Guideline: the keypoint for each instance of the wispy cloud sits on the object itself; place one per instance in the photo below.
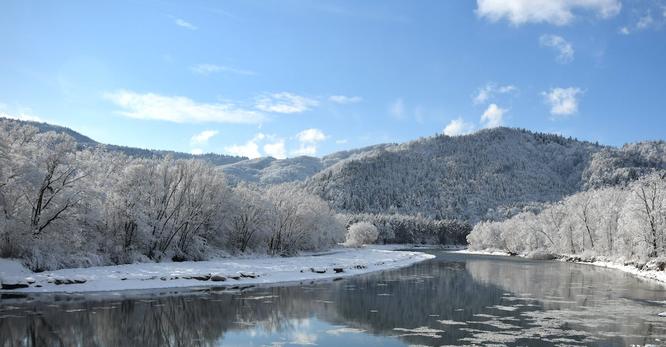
(458, 127)
(285, 103)
(493, 116)
(563, 102)
(557, 12)
(397, 109)
(184, 24)
(207, 69)
(646, 21)
(179, 109)
(490, 90)
(203, 137)
(344, 100)
(563, 47)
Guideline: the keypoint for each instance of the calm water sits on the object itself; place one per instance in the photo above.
(451, 300)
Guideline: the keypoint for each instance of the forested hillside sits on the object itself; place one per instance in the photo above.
(620, 166)
(458, 177)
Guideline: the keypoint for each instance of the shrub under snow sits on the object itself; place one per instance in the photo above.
(361, 233)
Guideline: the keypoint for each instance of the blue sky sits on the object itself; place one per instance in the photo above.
(288, 77)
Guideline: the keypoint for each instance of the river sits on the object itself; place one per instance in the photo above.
(454, 299)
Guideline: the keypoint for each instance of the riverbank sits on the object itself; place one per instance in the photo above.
(223, 272)
(655, 275)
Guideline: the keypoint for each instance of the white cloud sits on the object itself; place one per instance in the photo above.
(184, 24)
(308, 140)
(558, 12)
(344, 100)
(563, 101)
(203, 137)
(564, 48)
(276, 149)
(197, 151)
(179, 109)
(18, 112)
(397, 109)
(22, 116)
(624, 30)
(493, 116)
(207, 69)
(458, 127)
(304, 149)
(250, 149)
(488, 91)
(341, 141)
(311, 135)
(285, 103)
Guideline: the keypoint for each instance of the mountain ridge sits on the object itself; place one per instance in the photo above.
(87, 142)
(491, 174)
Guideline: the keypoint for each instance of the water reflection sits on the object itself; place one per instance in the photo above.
(451, 300)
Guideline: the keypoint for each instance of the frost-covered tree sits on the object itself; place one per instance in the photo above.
(248, 222)
(622, 222)
(361, 233)
(66, 205)
(646, 213)
(299, 220)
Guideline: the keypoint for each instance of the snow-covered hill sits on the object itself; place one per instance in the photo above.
(268, 170)
(457, 177)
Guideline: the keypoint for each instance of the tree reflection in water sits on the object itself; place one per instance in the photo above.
(454, 299)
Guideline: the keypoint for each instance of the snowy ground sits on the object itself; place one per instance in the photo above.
(224, 272)
(659, 276)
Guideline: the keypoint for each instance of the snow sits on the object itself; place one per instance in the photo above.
(236, 271)
(659, 276)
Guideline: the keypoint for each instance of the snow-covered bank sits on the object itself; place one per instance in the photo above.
(224, 272)
(655, 275)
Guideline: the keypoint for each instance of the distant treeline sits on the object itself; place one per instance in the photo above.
(399, 228)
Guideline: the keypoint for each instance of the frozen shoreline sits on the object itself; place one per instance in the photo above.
(214, 273)
(659, 276)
